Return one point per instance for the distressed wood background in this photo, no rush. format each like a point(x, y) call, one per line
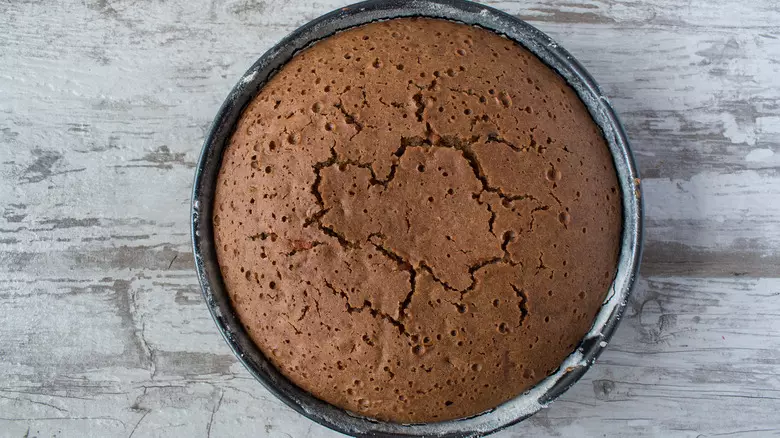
point(103, 109)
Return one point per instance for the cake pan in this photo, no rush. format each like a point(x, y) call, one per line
point(216, 297)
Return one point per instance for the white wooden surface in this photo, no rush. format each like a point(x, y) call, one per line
point(103, 108)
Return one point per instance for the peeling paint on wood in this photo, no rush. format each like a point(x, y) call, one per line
point(103, 108)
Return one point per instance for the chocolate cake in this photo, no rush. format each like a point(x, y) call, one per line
point(417, 220)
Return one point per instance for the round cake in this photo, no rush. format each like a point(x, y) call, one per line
point(416, 220)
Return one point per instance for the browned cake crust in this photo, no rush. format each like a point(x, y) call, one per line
point(417, 220)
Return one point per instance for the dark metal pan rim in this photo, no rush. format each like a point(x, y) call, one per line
point(207, 268)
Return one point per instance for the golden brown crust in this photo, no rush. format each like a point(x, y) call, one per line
point(417, 220)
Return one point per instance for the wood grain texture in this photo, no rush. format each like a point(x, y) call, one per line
point(103, 108)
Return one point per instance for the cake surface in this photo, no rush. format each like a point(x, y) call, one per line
point(416, 220)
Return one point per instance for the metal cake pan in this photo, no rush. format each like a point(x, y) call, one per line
point(207, 267)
